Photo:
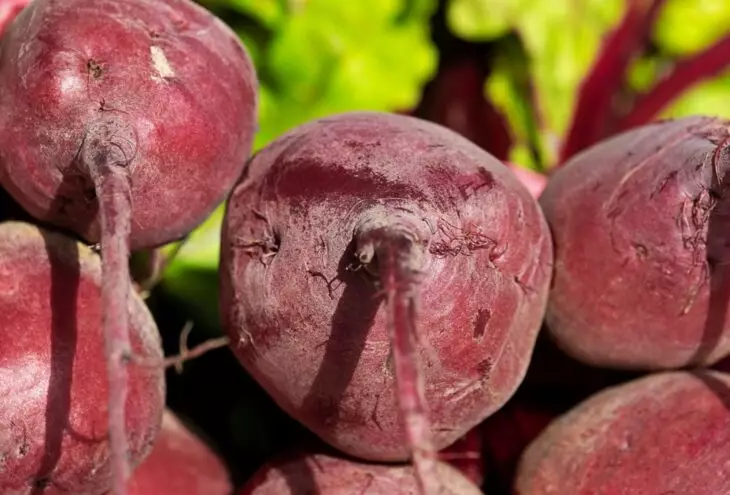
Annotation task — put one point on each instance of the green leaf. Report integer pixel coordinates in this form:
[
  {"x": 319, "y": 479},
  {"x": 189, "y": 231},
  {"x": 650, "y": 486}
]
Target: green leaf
[
  {"x": 687, "y": 26},
  {"x": 337, "y": 56},
  {"x": 708, "y": 98},
  {"x": 268, "y": 12},
  {"x": 479, "y": 20},
  {"x": 561, "y": 38}
]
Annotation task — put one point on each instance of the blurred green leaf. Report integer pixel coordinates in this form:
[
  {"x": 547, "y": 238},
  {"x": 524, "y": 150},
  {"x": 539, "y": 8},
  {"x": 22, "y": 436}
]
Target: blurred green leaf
[
  {"x": 687, "y": 26},
  {"x": 709, "y": 98},
  {"x": 561, "y": 38},
  {"x": 644, "y": 72},
  {"x": 268, "y": 12},
  {"x": 684, "y": 28},
  {"x": 479, "y": 20},
  {"x": 334, "y": 56}
]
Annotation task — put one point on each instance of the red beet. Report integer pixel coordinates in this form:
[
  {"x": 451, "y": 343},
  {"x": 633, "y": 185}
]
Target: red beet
[
  {"x": 160, "y": 88},
  {"x": 105, "y": 104},
  {"x": 53, "y": 381},
  {"x": 358, "y": 246},
  {"x": 180, "y": 464},
  {"x": 662, "y": 434},
  {"x": 641, "y": 225},
  {"x": 325, "y": 475}
]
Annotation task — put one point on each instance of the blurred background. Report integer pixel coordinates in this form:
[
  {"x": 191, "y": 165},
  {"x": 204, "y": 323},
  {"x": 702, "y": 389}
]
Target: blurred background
[{"x": 514, "y": 76}]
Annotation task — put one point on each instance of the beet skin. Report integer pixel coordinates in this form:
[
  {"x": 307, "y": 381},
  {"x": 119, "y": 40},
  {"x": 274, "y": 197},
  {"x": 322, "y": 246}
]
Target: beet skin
[
  {"x": 170, "y": 86},
  {"x": 666, "y": 433},
  {"x": 180, "y": 464},
  {"x": 641, "y": 226},
  {"x": 302, "y": 298},
  {"x": 326, "y": 475},
  {"x": 53, "y": 385}
]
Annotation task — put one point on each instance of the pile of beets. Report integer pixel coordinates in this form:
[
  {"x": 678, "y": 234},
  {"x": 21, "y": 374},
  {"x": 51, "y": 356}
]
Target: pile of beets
[{"x": 389, "y": 283}]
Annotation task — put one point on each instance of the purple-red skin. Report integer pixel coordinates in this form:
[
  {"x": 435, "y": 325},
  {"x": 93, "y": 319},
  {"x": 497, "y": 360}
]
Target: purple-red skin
[
  {"x": 53, "y": 409},
  {"x": 326, "y": 475},
  {"x": 665, "y": 433},
  {"x": 126, "y": 122},
  {"x": 640, "y": 224},
  {"x": 180, "y": 464},
  {"x": 486, "y": 269},
  {"x": 167, "y": 71},
  {"x": 8, "y": 10}
]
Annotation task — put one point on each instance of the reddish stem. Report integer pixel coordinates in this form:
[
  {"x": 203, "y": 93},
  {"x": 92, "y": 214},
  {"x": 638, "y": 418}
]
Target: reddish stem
[
  {"x": 686, "y": 73},
  {"x": 393, "y": 250},
  {"x": 107, "y": 152},
  {"x": 594, "y": 108}
]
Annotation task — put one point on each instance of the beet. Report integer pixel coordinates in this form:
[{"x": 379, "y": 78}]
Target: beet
[
  {"x": 326, "y": 475},
  {"x": 367, "y": 252},
  {"x": 53, "y": 381},
  {"x": 108, "y": 104},
  {"x": 641, "y": 228},
  {"x": 664, "y": 433},
  {"x": 160, "y": 88},
  {"x": 180, "y": 464}
]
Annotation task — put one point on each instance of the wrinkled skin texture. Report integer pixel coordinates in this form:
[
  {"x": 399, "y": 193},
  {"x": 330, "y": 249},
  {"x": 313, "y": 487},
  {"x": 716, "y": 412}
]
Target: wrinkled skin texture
[
  {"x": 325, "y": 475},
  {"x": 320, "y": 348},
  {"x": 640, "y": 224},
  {"x": 53, "y": 413},
  {"x": 180, "y": 464},
  {"x": 172, "y": 77},
  {"x": 662, "y": 434}
]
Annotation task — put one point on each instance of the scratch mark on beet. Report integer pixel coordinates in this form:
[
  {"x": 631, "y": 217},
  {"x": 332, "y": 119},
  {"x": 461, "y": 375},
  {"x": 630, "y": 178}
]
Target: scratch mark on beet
[
  {"x": 480, "y": 325},
  {"x": 469, "y": 185},
  {"x": 454, "y": 240},
  {"x": 671, "y": 176}
]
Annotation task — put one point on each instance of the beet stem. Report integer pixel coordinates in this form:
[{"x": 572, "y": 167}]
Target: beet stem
[
  {"x": 686, "y": 73},
  {"x": 393, "y": 251},
  {"x": 594, "y": 107},
  {"x": 108, "y": 164}
]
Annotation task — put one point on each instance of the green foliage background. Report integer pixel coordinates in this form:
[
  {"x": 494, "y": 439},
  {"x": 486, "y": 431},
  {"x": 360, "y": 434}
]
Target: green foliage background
[{"x": 318, "y": 57}]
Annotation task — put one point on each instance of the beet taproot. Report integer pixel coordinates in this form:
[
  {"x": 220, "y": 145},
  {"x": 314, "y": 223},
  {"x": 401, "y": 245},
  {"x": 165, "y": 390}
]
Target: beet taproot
[
  {"x": 53, "y": 380},
  {"x": 327, "y": 475},
  {"x": 664, "y": 433},
  {"x": 126, "y": 122},
  {"x": 366, "y": 253},
  {"x": 641, "y": 228}
]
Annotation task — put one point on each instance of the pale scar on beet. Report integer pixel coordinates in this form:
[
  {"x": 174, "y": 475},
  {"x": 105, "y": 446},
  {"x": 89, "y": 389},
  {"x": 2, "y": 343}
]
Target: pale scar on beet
[{"x": 384, "y": 279}]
